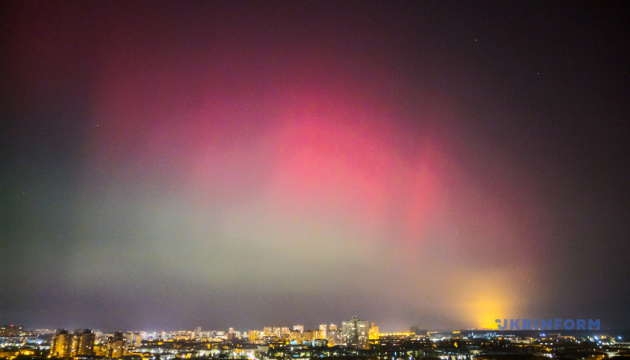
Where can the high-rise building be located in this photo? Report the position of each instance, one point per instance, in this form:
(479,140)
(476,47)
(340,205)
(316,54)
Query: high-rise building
(323,331)
(298,327)
(60,344)
(10,330)
(307,335)
(285,332)
(134,340)
(116,346)
(65,344)
(277,331)
(267,331)
(254,335)
(355,333)
(334,335)
(83,343)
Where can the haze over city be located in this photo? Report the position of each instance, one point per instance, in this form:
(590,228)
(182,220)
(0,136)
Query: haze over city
(441,164)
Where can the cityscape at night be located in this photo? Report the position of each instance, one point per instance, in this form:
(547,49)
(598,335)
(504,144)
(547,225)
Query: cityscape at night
(276,179)
(354,339)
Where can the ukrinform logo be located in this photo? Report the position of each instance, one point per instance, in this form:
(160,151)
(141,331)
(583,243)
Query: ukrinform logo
(547,324)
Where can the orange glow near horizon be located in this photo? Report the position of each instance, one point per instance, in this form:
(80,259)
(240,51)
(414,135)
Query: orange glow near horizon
(489,296)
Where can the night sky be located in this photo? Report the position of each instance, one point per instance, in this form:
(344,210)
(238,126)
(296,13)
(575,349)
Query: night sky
(167,165)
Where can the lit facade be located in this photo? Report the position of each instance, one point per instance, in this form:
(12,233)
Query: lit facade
(117,346)
(60,344)
(65,344)
(323,331)
(373,333)
(355,333)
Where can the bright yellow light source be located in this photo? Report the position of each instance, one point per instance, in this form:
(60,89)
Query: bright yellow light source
(485,297)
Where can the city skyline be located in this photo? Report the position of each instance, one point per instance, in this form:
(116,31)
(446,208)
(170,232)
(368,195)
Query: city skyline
(439,164)
(322,331)
(282,343)
(503,325)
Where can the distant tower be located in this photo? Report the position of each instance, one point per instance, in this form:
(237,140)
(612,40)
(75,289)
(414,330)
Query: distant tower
(133,340)
(298,327)
(65,344)
(60,345)
(83,343)
(277,331)
(355,333)
(116,346)
(334,336)
(323,331)
(267,330)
